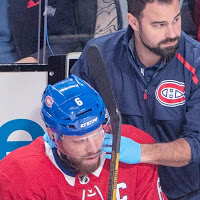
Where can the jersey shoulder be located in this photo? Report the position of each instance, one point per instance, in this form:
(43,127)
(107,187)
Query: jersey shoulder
(136,134)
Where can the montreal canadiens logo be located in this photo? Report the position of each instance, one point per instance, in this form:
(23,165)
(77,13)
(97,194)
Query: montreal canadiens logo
(49,101)
(171,93)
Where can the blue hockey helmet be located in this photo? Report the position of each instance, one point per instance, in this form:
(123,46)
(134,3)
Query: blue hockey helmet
(72,107)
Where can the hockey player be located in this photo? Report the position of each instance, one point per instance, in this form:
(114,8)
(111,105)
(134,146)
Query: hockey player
(67,163)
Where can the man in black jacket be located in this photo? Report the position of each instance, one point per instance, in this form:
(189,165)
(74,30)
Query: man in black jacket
(191,18)
(69,28)
(68,19)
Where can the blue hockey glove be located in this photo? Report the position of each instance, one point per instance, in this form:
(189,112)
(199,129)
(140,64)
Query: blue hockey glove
(130,151)
(47,139)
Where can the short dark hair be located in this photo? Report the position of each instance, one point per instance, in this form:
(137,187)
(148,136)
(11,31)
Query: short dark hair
(135,7)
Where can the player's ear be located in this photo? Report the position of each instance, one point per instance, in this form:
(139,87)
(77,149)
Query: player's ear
(50,133)
(133,22)
(53,137)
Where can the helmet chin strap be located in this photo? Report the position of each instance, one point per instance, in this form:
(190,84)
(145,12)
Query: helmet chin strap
(64,164)
(74,165)
(64,158)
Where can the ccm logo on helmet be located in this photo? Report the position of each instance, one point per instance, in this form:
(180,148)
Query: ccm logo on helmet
(88,123)
(171,93)
(49,101)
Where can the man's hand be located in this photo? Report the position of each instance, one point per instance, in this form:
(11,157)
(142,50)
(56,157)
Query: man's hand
(27,60)
(130,151)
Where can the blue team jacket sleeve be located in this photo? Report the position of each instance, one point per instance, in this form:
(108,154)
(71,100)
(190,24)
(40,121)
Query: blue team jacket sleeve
(191,128)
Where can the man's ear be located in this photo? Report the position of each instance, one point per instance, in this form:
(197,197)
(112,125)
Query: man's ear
(50,133)
(133,22)
(53,137)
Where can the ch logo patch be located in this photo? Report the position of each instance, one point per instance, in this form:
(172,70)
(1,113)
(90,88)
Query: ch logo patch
(171,93)
(49,101)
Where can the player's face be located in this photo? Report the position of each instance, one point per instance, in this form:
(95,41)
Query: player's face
(160,28)
(83,152)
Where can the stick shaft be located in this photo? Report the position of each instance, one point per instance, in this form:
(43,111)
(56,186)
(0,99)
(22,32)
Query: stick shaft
(99,75)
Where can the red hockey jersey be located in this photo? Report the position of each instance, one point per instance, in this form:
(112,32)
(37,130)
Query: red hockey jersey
(31,173)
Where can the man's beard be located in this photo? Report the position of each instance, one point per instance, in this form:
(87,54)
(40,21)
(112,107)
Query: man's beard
(167,52)
(79,165)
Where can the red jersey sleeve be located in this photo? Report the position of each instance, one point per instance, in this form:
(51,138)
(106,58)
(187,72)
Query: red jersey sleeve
(136,134)
(148,183)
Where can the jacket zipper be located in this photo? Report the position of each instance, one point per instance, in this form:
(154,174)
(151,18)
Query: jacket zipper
(145,94)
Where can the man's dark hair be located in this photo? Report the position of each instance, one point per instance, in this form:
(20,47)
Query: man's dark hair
(135,7)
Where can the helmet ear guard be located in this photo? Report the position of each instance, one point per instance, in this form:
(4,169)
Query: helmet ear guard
(72,107)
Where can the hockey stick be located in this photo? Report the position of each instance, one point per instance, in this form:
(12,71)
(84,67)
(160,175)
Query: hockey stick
(102,82)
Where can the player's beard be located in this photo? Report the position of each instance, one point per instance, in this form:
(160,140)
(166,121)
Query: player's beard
(167,52)
(79,165)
